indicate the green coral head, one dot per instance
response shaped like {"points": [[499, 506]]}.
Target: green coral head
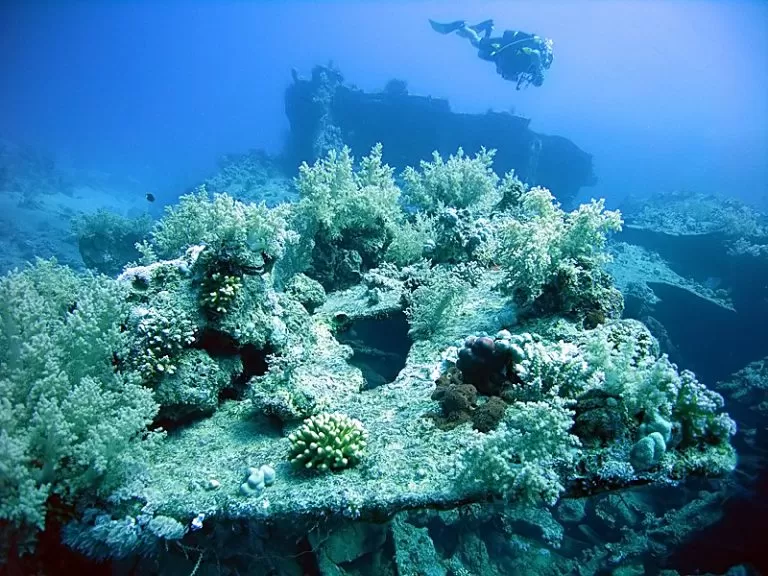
{"points": [[219, 292], [328, 442]]}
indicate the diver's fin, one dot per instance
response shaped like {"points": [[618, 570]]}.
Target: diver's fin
{"points": [[448, 27], [484, 27]]}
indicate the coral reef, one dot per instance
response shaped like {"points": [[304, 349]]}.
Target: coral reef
{"points": [[516, 382], [71, 425], [687, 213]]}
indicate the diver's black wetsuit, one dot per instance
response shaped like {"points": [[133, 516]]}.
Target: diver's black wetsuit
{"points": [[519, 56]]}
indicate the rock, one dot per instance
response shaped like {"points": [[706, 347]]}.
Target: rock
{"points": [[414, 550], [349, 542]]}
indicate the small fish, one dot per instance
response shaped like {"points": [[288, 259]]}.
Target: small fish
{"points": [[150, 197]]}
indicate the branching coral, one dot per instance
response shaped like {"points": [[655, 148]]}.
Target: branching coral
{"points": [[459, 182], [351, 214], [219, 291], [659, 398], [162, 332], [328, 442], [70, 422], [412, 239], [653, 390], [217, 222], [538, 237], [339, 199], [429, 303], [525, 457]]}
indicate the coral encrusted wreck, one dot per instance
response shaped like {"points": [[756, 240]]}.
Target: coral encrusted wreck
{"points": [[134, 409]]}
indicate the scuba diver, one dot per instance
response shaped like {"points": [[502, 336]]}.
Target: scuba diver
{"points": [[518, 56]]}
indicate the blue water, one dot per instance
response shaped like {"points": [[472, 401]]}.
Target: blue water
{"points": [[128, 105], [665, 95]]}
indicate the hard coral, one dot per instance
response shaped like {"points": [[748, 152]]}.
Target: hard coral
{"points": [[308, 292], [481, 363], [328, 442]]}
